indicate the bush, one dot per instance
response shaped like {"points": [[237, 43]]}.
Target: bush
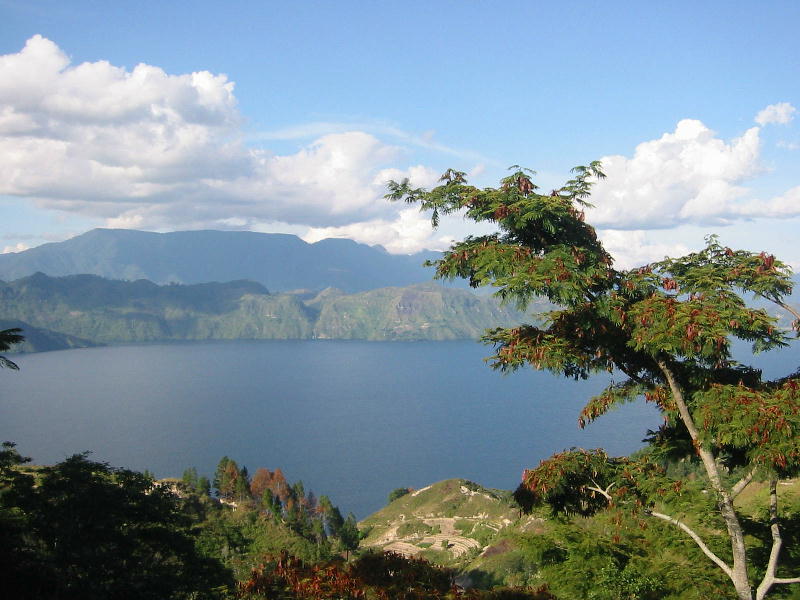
{"points": [[397, 493]]}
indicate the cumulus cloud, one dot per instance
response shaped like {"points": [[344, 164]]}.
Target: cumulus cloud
{"points": [[633, 248], [784, 206], [408, 232], [781, 113], [97, 132], [687, 176], [143, 148], [404, 232]]}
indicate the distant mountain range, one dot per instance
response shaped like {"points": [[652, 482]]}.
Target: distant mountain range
{"points": [[81, 310], [280, 262], [119, 286]]}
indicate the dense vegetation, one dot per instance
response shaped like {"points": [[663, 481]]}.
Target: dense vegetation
{"points": [[82, 529], [665, 331], [86, 530], [86, 309]]}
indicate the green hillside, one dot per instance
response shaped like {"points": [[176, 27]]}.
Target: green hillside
{"points": [[456, 523], [418, 312], [482, 534], [450, 522], [108, 311], [88, 309]]}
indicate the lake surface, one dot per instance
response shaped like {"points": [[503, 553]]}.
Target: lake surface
{"points": [[353, 420]]}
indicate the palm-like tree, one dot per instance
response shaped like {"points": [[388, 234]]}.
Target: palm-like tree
{"points": [[8, 337]]}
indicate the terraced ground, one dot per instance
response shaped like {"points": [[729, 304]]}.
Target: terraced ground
{"points": [[450, 522]]}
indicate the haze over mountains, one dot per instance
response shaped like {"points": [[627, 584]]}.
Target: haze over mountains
{"points": [[87, 310], [112, 286], [280, 262]]}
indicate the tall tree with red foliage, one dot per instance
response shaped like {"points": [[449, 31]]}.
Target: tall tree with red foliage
{"points": [[665, 329]]}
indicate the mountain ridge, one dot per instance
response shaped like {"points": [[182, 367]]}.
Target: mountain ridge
{"points": [[279, 261]]}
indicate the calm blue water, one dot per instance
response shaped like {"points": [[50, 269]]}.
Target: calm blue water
{"points": [[353, 420]]}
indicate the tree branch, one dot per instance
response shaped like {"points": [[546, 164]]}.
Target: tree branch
{"points": [[742, 483], [632, 375], [604, 492], [697, 539], [783, 305], [786, 307], [777, 542]]}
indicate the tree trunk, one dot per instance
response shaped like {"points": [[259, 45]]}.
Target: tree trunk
{"points": [[738, 574]]}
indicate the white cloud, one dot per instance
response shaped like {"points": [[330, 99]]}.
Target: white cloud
{"points": [[781, 113], [409, 232], [418, 176], [783, 206], [633, 248], [333, 179], [97, 132], [15, 248], [146, 149], [425, 140], [689, 175], [142, 148]]}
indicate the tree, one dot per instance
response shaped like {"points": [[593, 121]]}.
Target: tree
{"points": [[397, 493], [203, 486], [227, 479], [260, 482], [241, 488], [272, 504], [92, 531], [349, 535], [9, 337], [331, 515], [190, 479], [384, 576], [16, 554], [666, 328]]}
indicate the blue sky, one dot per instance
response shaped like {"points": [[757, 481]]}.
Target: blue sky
{"points": [[298, 112]]}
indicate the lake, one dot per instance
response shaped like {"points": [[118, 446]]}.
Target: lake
{"points": [[351, 419]]}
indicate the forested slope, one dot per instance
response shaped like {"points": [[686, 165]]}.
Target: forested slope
{"points": [[93, 309]]}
